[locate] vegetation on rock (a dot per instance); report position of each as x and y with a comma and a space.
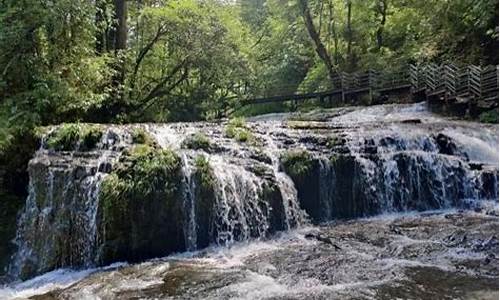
237, 129
297, 163
205, 204
204, 171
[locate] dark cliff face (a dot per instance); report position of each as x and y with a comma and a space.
103, 194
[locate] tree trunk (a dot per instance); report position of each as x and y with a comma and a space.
350, 57
320, 48
100, 21
332, 32
121, 14
382, 10
119, 36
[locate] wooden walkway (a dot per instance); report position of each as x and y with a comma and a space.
467, 82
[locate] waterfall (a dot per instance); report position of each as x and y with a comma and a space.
364, 161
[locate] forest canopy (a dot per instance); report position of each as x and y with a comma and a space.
183, 60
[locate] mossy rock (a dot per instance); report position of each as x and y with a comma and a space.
14, 157
198, 141
297, 163
68, 137
141, 215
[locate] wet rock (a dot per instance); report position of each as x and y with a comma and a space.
411, 121
476, 166
322, 239
446, 145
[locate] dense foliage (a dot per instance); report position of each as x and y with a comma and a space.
169, 60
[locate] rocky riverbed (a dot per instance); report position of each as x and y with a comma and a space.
434, 255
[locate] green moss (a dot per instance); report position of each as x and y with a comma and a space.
72, 136
260, 169
146, 169
297, 163
238, 122
15, 154
91, 136
489, 117
197, 141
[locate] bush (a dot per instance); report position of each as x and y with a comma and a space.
297, 163
490, 117
74, 136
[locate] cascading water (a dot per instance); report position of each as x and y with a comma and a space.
240, 211
364, 161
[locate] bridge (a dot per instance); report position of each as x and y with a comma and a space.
433, 82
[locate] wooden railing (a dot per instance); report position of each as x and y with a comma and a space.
452, 80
